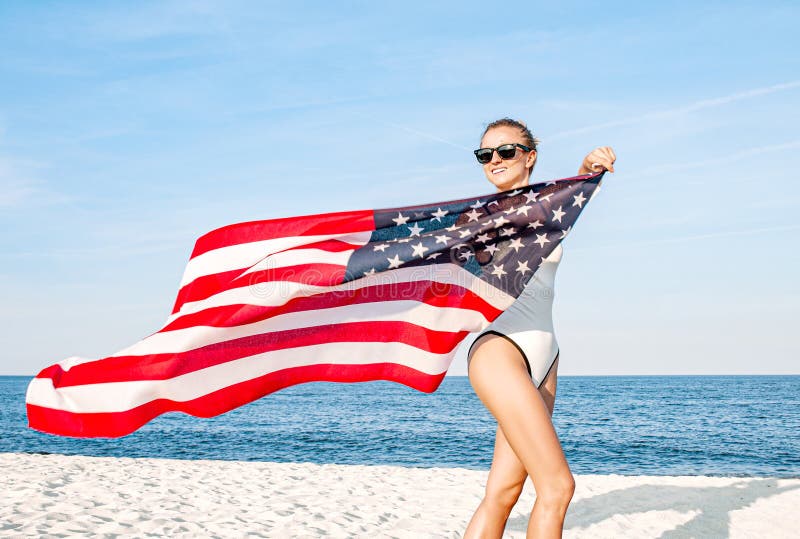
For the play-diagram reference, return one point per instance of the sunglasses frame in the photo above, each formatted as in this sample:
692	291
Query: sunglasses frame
515	145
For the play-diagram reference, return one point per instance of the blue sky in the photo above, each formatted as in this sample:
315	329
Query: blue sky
129	129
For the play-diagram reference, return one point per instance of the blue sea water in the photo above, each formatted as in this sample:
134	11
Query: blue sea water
655	425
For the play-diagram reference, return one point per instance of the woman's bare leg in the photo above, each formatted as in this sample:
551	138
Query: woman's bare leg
503	487
506	476
548	387
526	443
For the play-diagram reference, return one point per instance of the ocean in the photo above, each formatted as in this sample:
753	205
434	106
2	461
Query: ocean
630	425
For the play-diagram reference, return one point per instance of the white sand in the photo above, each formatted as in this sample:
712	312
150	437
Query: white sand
54	495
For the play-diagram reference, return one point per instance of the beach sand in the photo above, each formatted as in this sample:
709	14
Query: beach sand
57	495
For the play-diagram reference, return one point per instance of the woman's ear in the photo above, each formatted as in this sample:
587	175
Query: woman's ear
531	159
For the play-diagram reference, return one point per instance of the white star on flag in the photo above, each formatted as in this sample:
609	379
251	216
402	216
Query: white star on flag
400	219
473	215
438	214
498	270
419	250
416	229
394	262
541	239
500	221
558	214
579	200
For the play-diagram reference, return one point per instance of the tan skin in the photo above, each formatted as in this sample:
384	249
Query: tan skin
526	444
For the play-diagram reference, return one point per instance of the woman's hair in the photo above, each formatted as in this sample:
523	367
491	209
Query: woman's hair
530	140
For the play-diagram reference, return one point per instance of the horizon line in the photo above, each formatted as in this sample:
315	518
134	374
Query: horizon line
560	376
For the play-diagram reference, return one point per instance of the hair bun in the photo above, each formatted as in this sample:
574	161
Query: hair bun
530	140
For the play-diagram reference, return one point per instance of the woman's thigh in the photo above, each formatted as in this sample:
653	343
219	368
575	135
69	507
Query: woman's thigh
507	473
500	379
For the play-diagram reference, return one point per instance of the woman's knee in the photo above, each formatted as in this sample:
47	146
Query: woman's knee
557	493
505	497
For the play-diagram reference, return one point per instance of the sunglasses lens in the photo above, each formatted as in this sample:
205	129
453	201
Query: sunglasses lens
506	151
484	155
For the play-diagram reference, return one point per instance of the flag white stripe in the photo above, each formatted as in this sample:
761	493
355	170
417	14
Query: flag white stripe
122	396
273	293
295	257
419	313
244	255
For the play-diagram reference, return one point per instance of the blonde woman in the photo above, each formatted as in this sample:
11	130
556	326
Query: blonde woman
513	364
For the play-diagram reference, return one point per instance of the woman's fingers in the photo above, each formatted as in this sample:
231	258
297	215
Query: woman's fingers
601	158
602	164
607	164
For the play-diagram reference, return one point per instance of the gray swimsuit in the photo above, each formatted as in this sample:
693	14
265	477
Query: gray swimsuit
528	322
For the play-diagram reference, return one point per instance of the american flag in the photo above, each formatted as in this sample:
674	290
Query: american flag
345	297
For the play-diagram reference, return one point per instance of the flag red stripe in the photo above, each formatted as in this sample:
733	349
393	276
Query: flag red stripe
306	225
330	245
115	424
310	274
431	292
204	287
170	365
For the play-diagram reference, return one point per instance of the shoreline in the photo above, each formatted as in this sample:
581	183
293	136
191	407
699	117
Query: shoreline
57	494
404	466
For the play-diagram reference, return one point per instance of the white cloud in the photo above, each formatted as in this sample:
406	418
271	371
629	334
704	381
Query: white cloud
20	187
723	160
691	107
159	20
694	237
427	135
14	188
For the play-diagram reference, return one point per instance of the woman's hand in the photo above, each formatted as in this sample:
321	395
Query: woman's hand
601	158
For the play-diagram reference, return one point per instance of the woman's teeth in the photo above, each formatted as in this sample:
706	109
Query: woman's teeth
498	170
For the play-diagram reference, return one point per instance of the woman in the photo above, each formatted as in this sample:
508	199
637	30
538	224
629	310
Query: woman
513	365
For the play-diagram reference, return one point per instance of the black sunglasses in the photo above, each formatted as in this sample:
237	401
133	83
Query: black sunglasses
506	151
